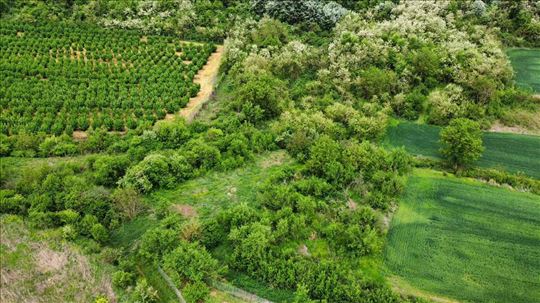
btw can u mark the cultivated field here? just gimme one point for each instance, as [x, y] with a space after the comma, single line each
[460, 239]
[515, 153]
[526, 64]
[57, 79]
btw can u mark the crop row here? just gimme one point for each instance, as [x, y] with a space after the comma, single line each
[60, 79]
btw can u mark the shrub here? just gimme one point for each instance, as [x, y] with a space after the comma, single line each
[189, 262]
[152, 171]
[69, 232]
[122, 279]
[461, 143]
[195, 292]
[11, 202]
[259, 95]
[144, 293]
[445, 104]
[99, 233]
[128, 202]
[326, 161]
[107, 170]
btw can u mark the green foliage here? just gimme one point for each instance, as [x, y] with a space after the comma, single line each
[500, 152]
[99, 233]
[154, 170]
[158, 242]
[107, 170]
[41, 97]
[189, 262]
[301, 295]
[326, 160]
[260, 96]
[122, 279]
[446, 228]
[461, 143]
[375, 82]
[271, 32]
[195, 292]
[144, 293]
[127, 202]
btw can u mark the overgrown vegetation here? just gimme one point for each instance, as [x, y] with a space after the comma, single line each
[286, 187]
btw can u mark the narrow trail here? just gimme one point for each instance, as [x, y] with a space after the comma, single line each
[206, 78]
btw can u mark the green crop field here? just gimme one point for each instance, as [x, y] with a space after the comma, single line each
[461, 239]
[57, 79]
[526, 64]
[515, 153]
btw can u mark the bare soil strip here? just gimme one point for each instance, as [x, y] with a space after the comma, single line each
[206, 77]
[498, 127]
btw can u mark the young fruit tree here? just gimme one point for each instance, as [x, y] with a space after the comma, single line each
[461, 143]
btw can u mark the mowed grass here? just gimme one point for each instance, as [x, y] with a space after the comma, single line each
[505, 151]
[526, 64]
[464, 240]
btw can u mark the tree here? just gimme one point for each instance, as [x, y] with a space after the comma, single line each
[128, 202]
[260, 96]
[461, 143]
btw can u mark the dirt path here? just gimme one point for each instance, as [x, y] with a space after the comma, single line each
[498, 127]
[206, 77]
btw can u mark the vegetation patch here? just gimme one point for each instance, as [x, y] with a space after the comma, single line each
[511, 152]
[220, 190]
[465, 240]
[59, 79]
[526, 64]
[33, 264]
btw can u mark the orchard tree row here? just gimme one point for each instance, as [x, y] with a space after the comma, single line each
[53, 75]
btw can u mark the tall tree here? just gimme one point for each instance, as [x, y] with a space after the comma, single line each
[461, 143]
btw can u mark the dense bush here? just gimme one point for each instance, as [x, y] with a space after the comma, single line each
[62, 196]
[461, 143]
[322, 13]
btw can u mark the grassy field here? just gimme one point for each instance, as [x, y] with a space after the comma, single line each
[39, 266]
[526, 64]
[461, 239]
[220, 190]
[511, 152]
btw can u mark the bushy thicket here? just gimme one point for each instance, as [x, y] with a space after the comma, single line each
[518, 21]
[420, 48]
[322, 13]
[203, 20]
[62, 196]
[304, 203]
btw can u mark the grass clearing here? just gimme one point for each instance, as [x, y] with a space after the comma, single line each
[526, 64]
[511, 152]
[39, 266]
[464, 240]
[219, 190]
[203, 197]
